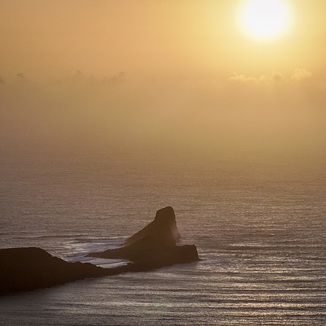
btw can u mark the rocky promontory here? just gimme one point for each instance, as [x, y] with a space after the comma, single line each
[26, 269]
[155, 246]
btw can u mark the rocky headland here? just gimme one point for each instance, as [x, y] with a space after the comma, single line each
[26, 269]
[155, 246]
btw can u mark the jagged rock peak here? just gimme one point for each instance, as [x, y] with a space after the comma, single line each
[163, 229]
[155, 244]
[165, 214]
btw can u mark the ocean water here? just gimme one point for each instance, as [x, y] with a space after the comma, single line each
[259, 223]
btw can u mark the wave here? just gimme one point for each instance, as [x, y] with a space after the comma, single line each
[79, 248]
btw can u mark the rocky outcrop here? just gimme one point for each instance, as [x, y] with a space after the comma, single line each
[25, 269]
[163, 228]
[155, 244]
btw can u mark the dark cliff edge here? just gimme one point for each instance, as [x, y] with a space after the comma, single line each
[26, 269]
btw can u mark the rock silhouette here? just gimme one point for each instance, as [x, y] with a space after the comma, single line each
[26, 269]
[163, 228]
[155, 244]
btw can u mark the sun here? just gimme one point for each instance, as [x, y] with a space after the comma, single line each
[265, 19]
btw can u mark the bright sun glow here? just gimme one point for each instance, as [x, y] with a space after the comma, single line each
[265, 19]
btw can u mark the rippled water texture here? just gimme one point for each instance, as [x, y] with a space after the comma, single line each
[258, 222]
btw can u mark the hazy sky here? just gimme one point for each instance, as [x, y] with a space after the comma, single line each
[173, 73]
[44, 37]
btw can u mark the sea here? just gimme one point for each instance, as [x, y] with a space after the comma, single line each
[258, 221]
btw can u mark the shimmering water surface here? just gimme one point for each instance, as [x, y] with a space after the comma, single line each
[258, 222]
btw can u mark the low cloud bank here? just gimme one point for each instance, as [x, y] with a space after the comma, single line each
[169, 114]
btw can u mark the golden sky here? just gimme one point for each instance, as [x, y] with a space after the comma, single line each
[40, 37]
[160, 74]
